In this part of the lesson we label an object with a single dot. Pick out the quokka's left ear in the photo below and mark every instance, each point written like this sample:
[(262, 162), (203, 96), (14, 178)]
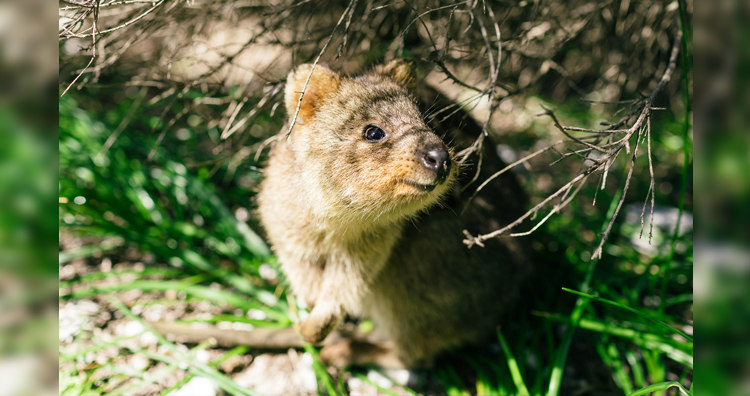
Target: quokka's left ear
[(321, 84), (403, 71)]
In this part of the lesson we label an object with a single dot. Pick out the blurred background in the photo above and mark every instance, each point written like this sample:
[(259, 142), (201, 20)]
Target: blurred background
[(722, 263), (28, 174), (28, 224)]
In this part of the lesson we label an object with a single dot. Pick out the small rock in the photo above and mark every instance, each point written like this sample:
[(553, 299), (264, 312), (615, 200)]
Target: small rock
[(75, 317), (198, 386)]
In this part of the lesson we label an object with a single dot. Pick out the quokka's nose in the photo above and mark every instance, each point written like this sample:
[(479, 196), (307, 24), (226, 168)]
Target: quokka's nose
[(438, 161)]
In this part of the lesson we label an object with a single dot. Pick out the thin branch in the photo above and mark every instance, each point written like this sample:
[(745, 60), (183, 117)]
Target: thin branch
[(228, 130), (512, 165), (494, 73), (478, 240), (315, 63), (605, 235), (564, 202), (94, 31), (551, 114), (131, 21), (651, 187), (124, 123)]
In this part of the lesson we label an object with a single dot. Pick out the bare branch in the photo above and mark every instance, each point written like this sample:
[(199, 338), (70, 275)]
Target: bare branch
[(94, 32), (478, 240), (598, 252), (513, 165), (651, 187), (315, 63), (609, 151)]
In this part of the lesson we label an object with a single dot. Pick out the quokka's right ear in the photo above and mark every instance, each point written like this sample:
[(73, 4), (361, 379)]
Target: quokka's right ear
[(402, 71), (323, 82)]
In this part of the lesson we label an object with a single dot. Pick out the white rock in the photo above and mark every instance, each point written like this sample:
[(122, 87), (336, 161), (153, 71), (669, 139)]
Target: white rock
[(129, 329), (198, 386), (75, 317), (202, 356)]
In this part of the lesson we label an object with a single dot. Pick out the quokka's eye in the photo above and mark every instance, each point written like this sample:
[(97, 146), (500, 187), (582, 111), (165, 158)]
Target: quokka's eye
[(373, 133)]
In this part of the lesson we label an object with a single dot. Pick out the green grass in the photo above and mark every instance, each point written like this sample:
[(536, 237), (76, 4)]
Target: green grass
[(621, 323)]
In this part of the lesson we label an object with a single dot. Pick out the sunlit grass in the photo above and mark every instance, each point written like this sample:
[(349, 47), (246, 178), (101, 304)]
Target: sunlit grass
[(633, 319)]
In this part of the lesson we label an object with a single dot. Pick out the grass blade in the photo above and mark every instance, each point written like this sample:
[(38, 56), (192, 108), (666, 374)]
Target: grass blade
[(636, 368), (202, 292), (660, 387), (515, 373), (633, 310), (581, 304), (611, 357), (680, 352), (321, 374)]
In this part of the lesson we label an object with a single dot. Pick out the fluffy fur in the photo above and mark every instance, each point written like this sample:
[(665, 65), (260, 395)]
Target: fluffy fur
[(345, 217)]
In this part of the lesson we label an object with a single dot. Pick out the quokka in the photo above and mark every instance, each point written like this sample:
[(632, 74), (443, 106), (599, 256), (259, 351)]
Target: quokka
[(364, 205)]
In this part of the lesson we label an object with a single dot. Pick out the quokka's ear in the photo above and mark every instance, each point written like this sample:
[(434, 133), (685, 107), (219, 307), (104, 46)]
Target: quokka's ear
[(323, 82), (403, 71)]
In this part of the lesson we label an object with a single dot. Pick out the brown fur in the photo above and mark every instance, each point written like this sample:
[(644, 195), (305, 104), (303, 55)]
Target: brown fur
[(356, 229)]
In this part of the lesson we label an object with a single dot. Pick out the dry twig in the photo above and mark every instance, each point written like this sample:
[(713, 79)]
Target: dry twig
[(516, 54), (610, 151)]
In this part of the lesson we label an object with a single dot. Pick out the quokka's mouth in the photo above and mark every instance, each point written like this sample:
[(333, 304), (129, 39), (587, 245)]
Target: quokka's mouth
[(420, 186)]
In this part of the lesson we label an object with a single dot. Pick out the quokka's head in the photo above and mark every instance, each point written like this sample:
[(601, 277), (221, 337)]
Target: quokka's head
[(362, 142)]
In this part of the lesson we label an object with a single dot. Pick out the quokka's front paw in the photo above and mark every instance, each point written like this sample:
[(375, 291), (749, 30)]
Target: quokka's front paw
[(322, 320), (315, 330)]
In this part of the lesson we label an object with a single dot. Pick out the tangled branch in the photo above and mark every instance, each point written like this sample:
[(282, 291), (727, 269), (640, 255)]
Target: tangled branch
[(609, 151), (237, 54)]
